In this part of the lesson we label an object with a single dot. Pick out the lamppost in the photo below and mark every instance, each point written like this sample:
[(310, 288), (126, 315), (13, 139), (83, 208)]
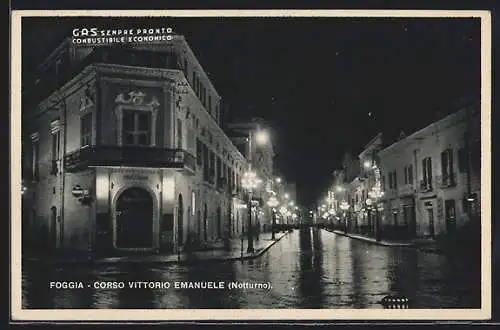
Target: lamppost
[(376, 193), (273, 203), (344, 207), (249, 183), (261, 138)]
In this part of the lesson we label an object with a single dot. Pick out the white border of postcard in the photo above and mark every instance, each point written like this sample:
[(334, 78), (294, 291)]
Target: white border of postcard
[(20, 314)]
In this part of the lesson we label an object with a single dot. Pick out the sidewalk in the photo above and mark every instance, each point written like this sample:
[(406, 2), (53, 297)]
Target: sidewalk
[(373, 240), (234, 253)]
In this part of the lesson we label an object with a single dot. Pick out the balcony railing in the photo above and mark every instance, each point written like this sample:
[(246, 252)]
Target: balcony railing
[(222, 184), (447, 180), (129, 156), (426, 185)]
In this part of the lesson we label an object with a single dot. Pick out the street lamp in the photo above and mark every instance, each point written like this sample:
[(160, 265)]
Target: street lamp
[(273, 203), (376, 193), (344, 207), (261, 137), (250, 181)]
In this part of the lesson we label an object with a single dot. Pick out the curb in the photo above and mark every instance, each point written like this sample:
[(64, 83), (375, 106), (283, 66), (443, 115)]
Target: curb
[(157, 261), (381, 243)]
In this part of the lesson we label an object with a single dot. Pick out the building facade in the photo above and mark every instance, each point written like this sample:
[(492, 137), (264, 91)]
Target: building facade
[(260, 154), (432, 177), (125, 152)]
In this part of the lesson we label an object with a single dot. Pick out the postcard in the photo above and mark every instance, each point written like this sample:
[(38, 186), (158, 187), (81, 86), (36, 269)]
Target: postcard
[(251, 165)]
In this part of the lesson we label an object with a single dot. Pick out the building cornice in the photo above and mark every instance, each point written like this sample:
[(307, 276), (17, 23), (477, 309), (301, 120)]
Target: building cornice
[(437, 126), (84, 77)]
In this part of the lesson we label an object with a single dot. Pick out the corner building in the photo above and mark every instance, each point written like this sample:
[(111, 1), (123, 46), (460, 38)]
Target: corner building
[(123, 151)]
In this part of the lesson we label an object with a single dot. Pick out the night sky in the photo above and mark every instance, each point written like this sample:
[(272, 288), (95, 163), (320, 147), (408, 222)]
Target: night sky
[(327, 85)]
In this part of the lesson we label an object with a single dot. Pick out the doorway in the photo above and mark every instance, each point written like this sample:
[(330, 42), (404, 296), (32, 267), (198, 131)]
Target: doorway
[(449, 211), (134, 219), (430, 216)]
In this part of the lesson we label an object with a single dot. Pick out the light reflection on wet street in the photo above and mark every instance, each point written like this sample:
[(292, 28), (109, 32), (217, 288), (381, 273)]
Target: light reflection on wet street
[(312, 268)]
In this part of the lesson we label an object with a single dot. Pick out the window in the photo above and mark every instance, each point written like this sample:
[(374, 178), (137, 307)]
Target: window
[(409, 174), (393, 181), (212, 167), (427, 173), (210, 103), (462, 160), (193, 203), (206, 164), (218, 167), (230, 178), (185, 68), (56, 144), (179, 134), (447, 167), (36, 159), (224, 170), (136, 128), (190, 139), (199, 152), (382, 183), (86, 130)]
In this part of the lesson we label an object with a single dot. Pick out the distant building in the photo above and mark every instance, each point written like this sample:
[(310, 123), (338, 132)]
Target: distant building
[(260, 154), (432, 177), (123, 150)]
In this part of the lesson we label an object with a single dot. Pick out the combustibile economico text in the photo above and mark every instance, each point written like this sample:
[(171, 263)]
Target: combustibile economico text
[(86, 36)]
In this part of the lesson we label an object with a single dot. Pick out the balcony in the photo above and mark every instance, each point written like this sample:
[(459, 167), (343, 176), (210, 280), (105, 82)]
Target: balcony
[(447, 181), (222, 184), (132, 156), (426, 185)]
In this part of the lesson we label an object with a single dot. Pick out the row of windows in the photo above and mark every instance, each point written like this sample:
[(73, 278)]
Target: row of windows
[(447, 170), (215, 170), (201, 92)]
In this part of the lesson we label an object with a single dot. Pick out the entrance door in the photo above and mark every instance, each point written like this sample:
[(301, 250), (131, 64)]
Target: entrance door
[(430, 215), (409, 220), (180, 221), (134, 219), (449, 212)]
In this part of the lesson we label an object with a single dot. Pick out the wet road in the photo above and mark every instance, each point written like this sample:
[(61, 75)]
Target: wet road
[(306, 269)]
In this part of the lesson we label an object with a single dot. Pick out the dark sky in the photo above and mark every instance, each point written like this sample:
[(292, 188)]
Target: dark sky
[(327, 84)]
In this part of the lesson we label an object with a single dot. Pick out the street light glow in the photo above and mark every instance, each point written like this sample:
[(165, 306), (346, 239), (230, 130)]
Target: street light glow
[(287, 196), (367, 164), (339, 188), (250, 180), (261, 137), (273, 202), (278, 180)]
